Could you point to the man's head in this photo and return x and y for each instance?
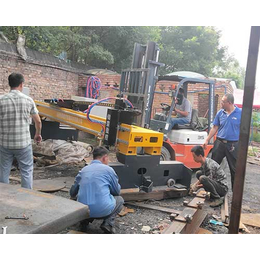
(16, 80)
(180, 96)
(227, 101)
(181, 91)
(101, 153)
(198, 154)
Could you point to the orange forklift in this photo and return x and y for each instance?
(178, 141)
(138, 84)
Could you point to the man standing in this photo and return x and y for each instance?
(227, 126)
(16, 110)
(210, 177)
(99, 189)
(182, 110)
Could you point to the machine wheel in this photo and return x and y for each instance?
(170, 183)
(165, 154)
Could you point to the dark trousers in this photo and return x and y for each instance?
(228, 150)
(110, 219)
(216, 189)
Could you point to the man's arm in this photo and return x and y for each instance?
(75, 187)
(114, 185)
(183, 113)
(212, 132)
(38, 126)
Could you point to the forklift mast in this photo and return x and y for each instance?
(138, 83)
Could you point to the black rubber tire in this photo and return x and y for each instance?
(165, 154)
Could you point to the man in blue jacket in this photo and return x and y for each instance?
(99, 189)
(227, 126)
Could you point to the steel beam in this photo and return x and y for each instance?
(244, 130)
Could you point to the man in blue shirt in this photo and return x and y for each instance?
(99, 189)
(227, 126)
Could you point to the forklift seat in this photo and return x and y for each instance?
(193, 123)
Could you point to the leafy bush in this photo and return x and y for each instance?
(256, 137)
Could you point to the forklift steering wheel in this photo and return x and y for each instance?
(165, 106)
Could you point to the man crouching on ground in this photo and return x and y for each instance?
(210, 177)
(99, 189)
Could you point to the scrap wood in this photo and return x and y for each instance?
(251, 219)
(203, 231)
(154, 207)
(243, 227)
(224, 211)
(158, 193)
(125, 211)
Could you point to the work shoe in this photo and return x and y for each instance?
(83, 226)
(216, 203)
(108, 229)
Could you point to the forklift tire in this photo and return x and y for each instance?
(165, 154)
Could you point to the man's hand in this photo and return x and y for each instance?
(205, 144)
(37, 139)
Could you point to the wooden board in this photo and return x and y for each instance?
(251, 219)
(154, 207)
(203, 231)
(158, 193)
(224, 211)
(202, 194)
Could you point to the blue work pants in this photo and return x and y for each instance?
(24, 158)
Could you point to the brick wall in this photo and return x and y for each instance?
(43, 81)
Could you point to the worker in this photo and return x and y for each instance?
(227, 126)
(16, 110)
(182, 110)
(96, 185)
(210, 177)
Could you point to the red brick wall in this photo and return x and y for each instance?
(44, 82)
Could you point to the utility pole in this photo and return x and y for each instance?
(244, 130)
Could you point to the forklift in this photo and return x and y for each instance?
(138, 84)
(179, 140)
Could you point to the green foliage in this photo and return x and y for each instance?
(230, 69)
(190, 48)
(256, 137)
(256, 119)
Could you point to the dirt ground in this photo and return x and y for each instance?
(133, 223)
